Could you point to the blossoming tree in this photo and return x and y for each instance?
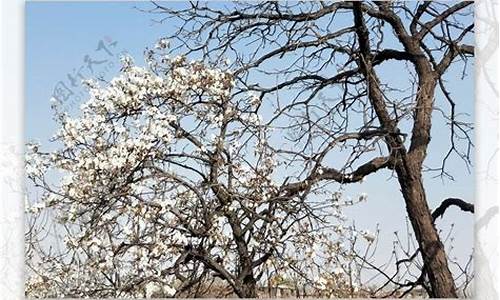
(166, 181)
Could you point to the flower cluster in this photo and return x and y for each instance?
(158, 163)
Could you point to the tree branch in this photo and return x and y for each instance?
(465, 206)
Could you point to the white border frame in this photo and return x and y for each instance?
(11, 149)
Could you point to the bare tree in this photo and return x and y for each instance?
(292, 54)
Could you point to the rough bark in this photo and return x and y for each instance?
(432, 250)
(247, 288)
(409, 166)
(410, 179)
(246, 283)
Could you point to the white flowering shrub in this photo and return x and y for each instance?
(166, 179)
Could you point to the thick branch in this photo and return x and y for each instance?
(333, 174)
(465, 206)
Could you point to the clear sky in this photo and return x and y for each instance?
(63, 38)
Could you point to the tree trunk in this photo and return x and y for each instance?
(248, 288)
(409, 167)
(431, 248)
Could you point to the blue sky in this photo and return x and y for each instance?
(59, 35)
